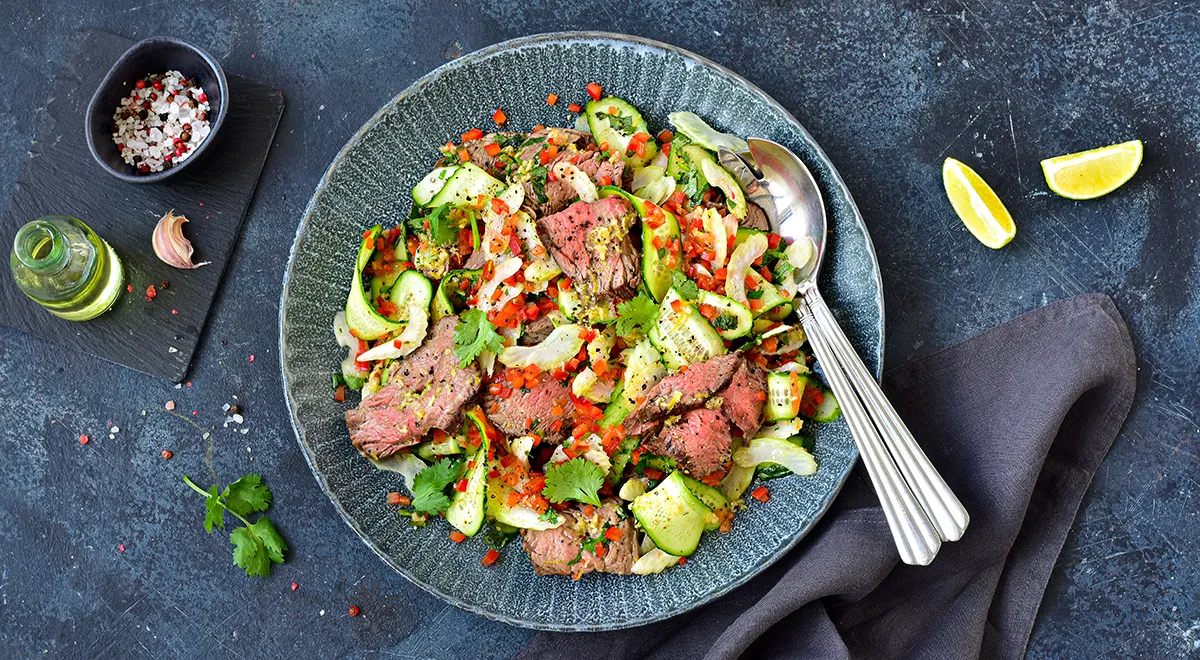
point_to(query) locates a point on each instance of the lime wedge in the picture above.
(1091, 174)
(977, 205)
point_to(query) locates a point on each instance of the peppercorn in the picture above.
(353, 611)
(235, 409)
(185, 136)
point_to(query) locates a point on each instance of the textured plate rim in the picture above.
(481, 54)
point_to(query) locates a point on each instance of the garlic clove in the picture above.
(170, 245)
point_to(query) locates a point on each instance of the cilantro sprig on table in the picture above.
(577, 479)
(256, 545)
(474, 335)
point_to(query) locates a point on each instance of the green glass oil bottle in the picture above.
(65, 267)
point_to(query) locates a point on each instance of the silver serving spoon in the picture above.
(920, 508)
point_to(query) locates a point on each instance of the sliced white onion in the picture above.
(654, 561)
(588, 385)
(403, 463)
(553, 352)
(341, 331)
(691, 125)
(773, 450)
(657, 192)
(647, 175)
(739, 264)
(714, 226)
(660, 159)
(781, 430)
(579, 181)
(520, 449)
(581, 124)
(404, 343)
(504, 270)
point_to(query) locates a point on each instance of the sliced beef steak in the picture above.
(559, 137)
(510, 414)
(743, 398)
(590, 242)
(559, 551)
(536, 332)
(477, 150)
(426, 390)
(755, 218)
(559, 193)
(682, 391)
(699, 441)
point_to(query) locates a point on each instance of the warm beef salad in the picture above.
(584, 336)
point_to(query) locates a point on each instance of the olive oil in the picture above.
(65, 267)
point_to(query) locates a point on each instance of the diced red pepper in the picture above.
(552, 99)
(461, 486)
(499, 117)
(464, 155)
(490, 558)
(473, 134)
(761, 494)
(614, 533)
(666, 136)
(604, 180)
(457, 536)
(548, 154)
(654, 474)
(574, 107)
(492, 149)
(594, 91)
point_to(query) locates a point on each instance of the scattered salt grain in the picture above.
(172, 349)
(238, 419)
(245, 431)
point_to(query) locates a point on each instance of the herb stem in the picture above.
(207, 494)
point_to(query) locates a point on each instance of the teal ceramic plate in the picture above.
(369, 182)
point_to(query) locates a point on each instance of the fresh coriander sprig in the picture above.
(255, 545)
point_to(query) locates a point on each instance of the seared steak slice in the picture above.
(559, 193)
(755, 218)
(477, 150)
(536, 332)
(509, 415)
(699, 441)
(682, 391)
(559, 137)
(743, 398)
(416, 369)
(426, 390)
(396, 417)
(590, 242)
(559, 551)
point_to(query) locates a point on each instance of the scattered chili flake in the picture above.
(83, 439)
(295, 586)
(353, 610)
(457, 536)
(250, 359)
(574, 107)
(151, 292)
(167, 454)
(682, 561)
(164, 284)
(490, 558)
(761, 494)
(129, 288)
(174, 311)
(552, 99)
(121, 547)
(651, 473)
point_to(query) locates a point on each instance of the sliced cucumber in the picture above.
(672, 516)
(784, 392)
(632, 489)
(412, 289)
(432, 184)
(780, 312)
(719, 177)
(733, 319)
(828, 410)
(465, 185)
(684, 336)
(361, 316)
(466, 510)
(743, 233)
(520, 516)
(424, 451)
(712, 498)
(615, 122)
(451, 298)
(737, 481)
(643, 370)
(446, 447)
(381, 283)
(570, 304)
(688, 157)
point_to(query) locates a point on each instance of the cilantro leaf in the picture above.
(687, 289)
(622, 124)
(635, 313)
(441, 230)
(474, 335)
(257, 546)
(214, 513)
(724, 322)
(506, 140)
(538, 179)
(577, 479)
(247, 495)
(694, 185)
(754, 294)
(429, 484)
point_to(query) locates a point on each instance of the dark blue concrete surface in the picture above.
(889, 90)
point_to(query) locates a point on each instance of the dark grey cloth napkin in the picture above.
(1017, 420)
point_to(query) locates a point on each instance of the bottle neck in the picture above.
(42, 248)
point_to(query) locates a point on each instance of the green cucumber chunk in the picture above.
(828, 410)
(672, 516)
(719, 177)
(684, 336)
(432, 184)
(733, 319)
(466, 184)
(412, 289)
(618, 128)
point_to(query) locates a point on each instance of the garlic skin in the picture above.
(169, 244)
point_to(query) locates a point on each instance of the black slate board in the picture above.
(159, 337)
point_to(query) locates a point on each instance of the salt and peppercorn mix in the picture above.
(162, 122)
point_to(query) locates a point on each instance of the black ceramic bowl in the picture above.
(154, 55)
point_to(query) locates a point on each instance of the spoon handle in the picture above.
(916, 538)
(939, 502)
